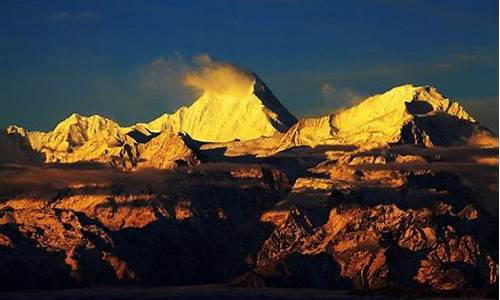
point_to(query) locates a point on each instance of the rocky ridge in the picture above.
(409, 230)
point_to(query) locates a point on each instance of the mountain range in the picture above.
(398, 192)
(406, 114)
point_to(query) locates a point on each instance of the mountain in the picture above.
(404, 114)
(215, 116)
(96, 139)
(80, 138)
(222, 117)
(166, 151)
(254, 122)
(398, 195)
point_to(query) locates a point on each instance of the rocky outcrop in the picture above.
(382, 246)
(393, 218)
(128, 230)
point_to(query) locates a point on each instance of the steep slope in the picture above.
(402, 218)
(406, 114)
(227, 116)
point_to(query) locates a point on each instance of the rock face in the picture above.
(375, 224)
(383, 246)
(405, 114)
(135, 228)
(222, 117)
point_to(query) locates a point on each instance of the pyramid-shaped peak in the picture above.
(224, 113)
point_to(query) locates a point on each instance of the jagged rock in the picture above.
(372, 245)
(132, 231)
(56, 248)
(285, 238)
(389, 227)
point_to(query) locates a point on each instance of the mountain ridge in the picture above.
(377, 120)
(251, 125)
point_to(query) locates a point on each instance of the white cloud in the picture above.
(218, 77)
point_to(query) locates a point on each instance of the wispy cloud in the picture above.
(179, 80)
(338, 98)
(162, 78)
(218, 77)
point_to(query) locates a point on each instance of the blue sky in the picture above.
(120, 58)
